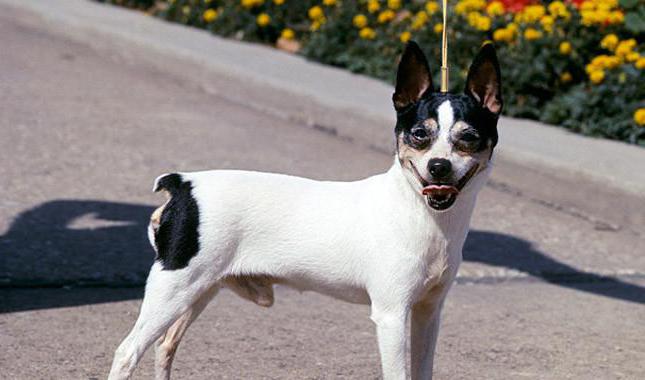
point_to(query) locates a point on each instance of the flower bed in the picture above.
(578, 64)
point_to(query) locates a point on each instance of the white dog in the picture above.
(392, 241)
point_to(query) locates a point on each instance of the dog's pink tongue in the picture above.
(439, 189)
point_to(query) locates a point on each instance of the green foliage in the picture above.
(542, 79)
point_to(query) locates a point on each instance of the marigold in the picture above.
(419, 20)
(316, 12)
(639, 116)
(558, 9)
(248, 4)
(547, 23)
(360, 21)
(566, 77)
(394, 4)
(288, 34)
(565, 48)
(405, 36)
(597, 76)
(609, 42)
(432, 7)
(532, 34)
(373, 6)
(367, 33)
(263, 20)
(625, 47)
(503, 34)
(640, 63)
(329, 3)
(438, 28)
(278, 2)
(209, 15)
(385, 16)
(495, 8)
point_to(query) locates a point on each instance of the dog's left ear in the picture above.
(484, 81)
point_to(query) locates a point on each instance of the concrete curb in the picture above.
(348, 105)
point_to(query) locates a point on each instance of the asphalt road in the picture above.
(553, 283)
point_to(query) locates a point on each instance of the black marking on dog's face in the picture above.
(461, 128)
(177, 237)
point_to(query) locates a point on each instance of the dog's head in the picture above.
(445, 140)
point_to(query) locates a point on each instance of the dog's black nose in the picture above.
(439, 167)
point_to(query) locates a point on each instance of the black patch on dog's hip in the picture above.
(177, 237)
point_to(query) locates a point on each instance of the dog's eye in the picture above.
(420, 134)
(468, 142)
(469, 137)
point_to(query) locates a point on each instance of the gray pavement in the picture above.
(552, 285)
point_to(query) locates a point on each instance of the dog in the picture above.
(393, 240)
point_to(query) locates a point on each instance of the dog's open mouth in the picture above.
(441, 196)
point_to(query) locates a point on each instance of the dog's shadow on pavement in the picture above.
(97, 251)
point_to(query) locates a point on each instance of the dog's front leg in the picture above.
(392, 340)
(424, 329)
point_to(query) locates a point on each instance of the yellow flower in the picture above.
(373, 6)
(483, 23)
(565, 48)
(248, 4)
(394, 4)
(616, 17)
(438, 28)
(587, 6)
(288, 34)
(367, 33)
(502, 35)
(263, 19)
(532, 34)
(209, 15)
(360, 21)
(625, 47)
(405, 36)
(612, 62)
(316, 24)
(632, 57)
(639, 116)
(432, 7)
(558, 9)
(386, 15)
(465, 6)
(609, 42)
(597, 76)
(278, 2)
(530, 14)
(419, 20)
(495, 8)
(640, 63)
(547, 23)
(316, 13)
(329, 3)
(565, 77)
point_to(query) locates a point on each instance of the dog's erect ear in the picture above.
(484, 81)
(413, 77)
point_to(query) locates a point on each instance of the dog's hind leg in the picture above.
(168, 295)
(166, 346)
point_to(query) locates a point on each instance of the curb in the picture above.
(350, 106)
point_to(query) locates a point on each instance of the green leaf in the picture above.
(628, 3)
(635, 22)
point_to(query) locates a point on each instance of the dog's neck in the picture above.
(452, 223)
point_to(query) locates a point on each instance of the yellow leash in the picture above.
(444, 49)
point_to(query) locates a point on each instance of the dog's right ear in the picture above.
(413, 77)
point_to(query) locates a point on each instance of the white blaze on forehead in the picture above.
(446, 116)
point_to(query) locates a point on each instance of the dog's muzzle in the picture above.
(441, 196)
